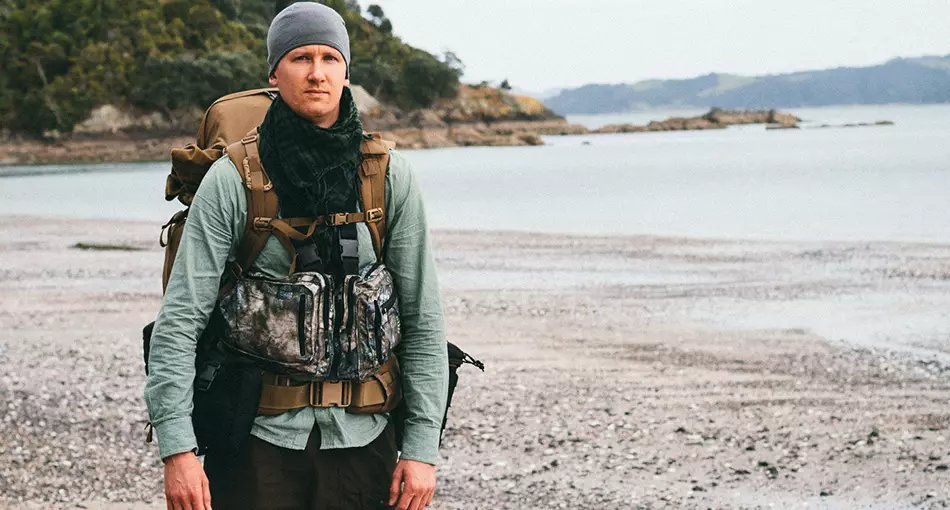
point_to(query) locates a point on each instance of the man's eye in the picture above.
(303, 57)
(331, 58)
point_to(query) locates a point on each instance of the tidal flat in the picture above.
(621, 372)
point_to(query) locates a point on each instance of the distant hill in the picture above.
(911, 80)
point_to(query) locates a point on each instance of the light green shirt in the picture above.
(212, 233)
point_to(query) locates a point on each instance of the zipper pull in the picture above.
(148, 432)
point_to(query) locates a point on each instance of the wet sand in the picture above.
(621, 372)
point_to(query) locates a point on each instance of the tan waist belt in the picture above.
(378, 394)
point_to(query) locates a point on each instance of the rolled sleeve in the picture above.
(175, 436)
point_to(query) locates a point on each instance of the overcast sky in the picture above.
(544, 44)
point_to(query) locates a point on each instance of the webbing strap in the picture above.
(373, 169)
(254, 177)
(261, 203)
(279, 395)
(287, 228)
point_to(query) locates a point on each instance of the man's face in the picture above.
(311, 80)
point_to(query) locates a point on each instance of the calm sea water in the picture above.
(873, 183)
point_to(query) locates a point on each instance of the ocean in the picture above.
(863, 183)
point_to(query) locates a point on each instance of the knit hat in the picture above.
(306, 23)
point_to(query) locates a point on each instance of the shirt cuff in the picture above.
(420, 443)
(175, 436)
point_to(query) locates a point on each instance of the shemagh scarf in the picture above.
(314, 169)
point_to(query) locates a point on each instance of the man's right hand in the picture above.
(186, 486)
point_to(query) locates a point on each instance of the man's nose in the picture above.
(317, 73)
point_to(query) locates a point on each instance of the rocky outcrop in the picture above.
(112, 120)
(485, 135)
(89, 150)
(479, 116)
(735, 117)
(489, 105)
(715, 119)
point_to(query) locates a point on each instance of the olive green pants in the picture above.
(263, 476)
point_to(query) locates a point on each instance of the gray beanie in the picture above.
(306, 23)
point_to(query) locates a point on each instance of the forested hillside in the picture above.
(60, 59)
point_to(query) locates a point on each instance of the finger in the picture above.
(418, 501)
(168, 502)
(395, 486)
(206, 492)
(404, 501)
(177, 503)
(429, 498)
(197, 499)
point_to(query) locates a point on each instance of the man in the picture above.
(310, 457)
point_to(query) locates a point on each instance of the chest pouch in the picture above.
(285, 324)
(293, 326)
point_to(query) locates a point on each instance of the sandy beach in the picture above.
(625, 372)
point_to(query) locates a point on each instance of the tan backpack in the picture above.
(229, 127)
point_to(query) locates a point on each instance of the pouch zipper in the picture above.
(327, 303)
(378, 327)
(349, 299)
(302, 324)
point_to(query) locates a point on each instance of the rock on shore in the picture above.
(716, 119)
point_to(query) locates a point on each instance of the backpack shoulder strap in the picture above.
(373, 168)
(261, 207)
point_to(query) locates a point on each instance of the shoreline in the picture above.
(688, 372)
(139, 147)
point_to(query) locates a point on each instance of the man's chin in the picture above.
(317, 113)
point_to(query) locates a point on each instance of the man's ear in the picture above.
(272, 80)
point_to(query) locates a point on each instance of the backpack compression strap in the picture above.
(261, 205)
(373, 187)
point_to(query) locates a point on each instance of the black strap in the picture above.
(349, 249)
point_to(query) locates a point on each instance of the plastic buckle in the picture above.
(262, 223)
(336, 219)
(206, 377)
(374, 215)
(331, 394)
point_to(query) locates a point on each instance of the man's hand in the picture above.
(417, 481)
(186, 486)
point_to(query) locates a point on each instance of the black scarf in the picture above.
(314, 169)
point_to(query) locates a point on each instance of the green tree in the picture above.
(59, 59)
(425, 80)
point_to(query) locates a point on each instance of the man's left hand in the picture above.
(413, 485)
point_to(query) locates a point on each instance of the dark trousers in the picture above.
(263, 476)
